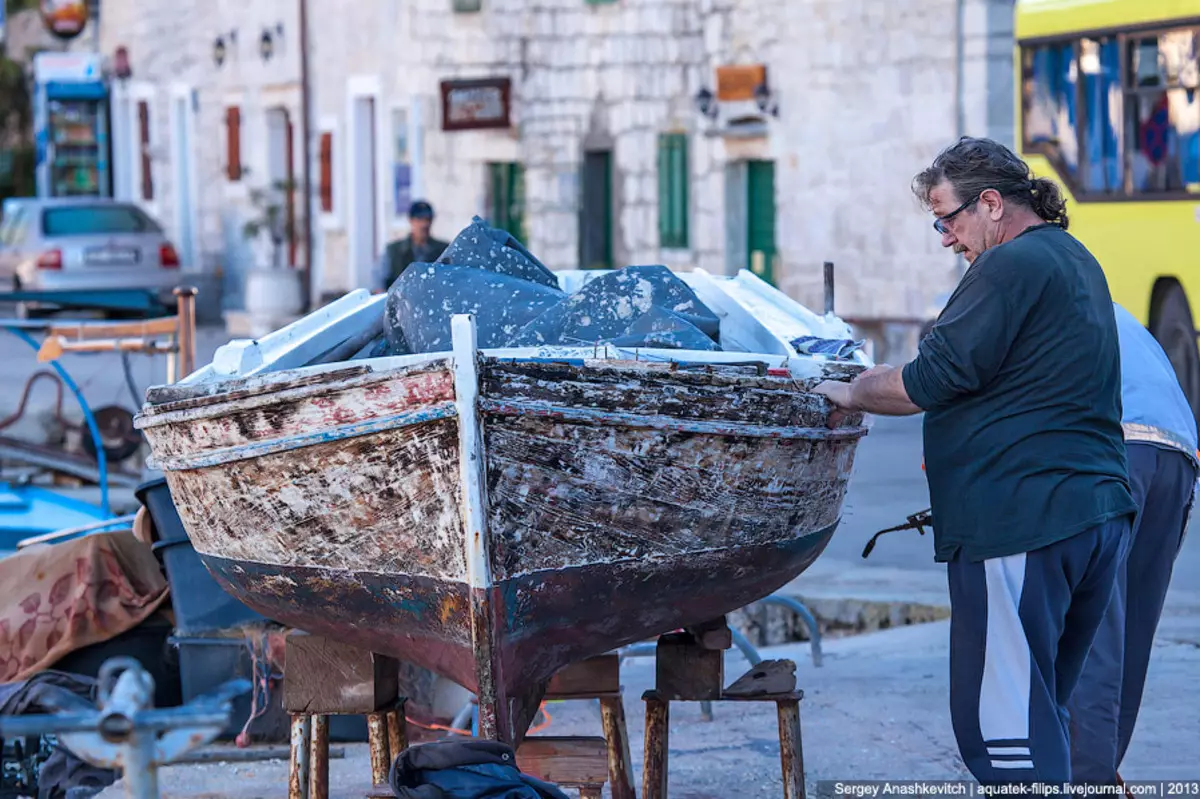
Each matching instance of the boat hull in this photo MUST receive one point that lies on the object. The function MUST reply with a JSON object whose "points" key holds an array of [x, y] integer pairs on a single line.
{"points": [[612, 504]]}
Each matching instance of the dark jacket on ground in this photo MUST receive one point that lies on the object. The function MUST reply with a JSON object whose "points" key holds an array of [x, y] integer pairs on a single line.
{"points": [[465, 769], [1020, 379]]}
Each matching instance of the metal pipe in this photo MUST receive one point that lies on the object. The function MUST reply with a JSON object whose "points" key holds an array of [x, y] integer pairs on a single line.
{"points": [[814, 630], [747, 648], [101, 459], [306, 172], [828, 288]]}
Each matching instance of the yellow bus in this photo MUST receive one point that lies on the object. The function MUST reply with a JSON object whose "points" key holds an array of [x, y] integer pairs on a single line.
{"points": [[1108, 104]]}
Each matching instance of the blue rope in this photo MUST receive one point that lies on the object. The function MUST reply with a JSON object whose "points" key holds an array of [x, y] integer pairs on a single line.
{"points": [[101, 460]]}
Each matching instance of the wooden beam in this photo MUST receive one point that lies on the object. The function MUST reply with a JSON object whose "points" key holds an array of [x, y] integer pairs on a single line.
{"points": [[687, 671], [591, 678], [565, 761], [327, 677]]}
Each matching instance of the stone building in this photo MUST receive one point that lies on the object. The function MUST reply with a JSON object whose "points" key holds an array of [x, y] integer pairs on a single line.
{"points": [[719, 134]]}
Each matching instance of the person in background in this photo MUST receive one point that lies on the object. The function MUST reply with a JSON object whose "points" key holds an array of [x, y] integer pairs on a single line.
{"points": [[1160, 444], [1020, 382], [417, 247]]}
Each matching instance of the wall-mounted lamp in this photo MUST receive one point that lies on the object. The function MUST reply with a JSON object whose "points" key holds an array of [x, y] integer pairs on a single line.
{"points": [[219, 51], [266, 44], [706, 103], [766, 100], [121, 68]]}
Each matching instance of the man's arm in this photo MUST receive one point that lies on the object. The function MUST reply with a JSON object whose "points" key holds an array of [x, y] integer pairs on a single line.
{"points": [[878, 390]]}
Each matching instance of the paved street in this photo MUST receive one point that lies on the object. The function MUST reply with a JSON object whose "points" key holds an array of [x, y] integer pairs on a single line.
{"points": [[878, 708]]}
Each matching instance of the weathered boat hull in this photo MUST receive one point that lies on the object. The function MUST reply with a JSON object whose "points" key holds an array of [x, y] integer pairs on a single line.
{"points": [[495, 521]]}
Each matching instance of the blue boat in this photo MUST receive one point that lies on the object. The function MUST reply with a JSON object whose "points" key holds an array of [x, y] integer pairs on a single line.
{"points": [[28, 511]]}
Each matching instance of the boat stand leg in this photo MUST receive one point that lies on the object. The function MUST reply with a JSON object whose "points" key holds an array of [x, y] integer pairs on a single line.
{"points": [[319, 758], [791, 751], [654, 771], [377, 738], [298, 772], [616, 738], [397, 724]]}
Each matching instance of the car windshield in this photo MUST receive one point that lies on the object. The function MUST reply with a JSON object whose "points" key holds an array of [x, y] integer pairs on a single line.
{"points": [[90, 220]]}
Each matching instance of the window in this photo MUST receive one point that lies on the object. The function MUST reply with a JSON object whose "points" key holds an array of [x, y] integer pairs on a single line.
{"points": [[233, 143], [326, 181], [466, 5], [1163, 116], [90, 220], [506, 198], [1118, 115], [147, 187], [673, 190]]}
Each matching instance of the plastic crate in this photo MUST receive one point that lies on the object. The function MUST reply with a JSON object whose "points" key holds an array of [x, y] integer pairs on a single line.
{"points": [[199, 602]]}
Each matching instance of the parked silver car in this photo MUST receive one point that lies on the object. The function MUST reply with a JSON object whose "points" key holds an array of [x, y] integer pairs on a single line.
{"points": [[84, 243]]}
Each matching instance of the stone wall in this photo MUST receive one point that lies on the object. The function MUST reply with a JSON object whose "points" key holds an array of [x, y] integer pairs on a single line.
{"points": [[866, 91]]}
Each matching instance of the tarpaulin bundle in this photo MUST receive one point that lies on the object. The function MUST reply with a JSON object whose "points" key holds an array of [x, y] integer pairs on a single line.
{"points": [[517, 302]]}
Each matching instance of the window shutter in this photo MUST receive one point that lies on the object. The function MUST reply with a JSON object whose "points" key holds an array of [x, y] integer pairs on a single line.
{"points": [[233, 143], [143, 110], [327, 172], [672, 190]]}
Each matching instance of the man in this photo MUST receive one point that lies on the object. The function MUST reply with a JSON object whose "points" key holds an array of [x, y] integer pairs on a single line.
{"points": [[1160, 442], [417, 247], [1019, 380]]}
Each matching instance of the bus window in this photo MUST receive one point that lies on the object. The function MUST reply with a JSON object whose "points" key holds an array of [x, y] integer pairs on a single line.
{"points": [[1050, 103], [1100, 65], [1163, 112]]}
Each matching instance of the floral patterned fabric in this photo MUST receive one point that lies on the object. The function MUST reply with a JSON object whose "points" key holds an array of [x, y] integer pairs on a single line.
{"points": [[56, 598]]}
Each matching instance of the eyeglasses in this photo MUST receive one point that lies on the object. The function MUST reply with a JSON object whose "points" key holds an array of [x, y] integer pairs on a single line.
{"points": [[939, 224]]}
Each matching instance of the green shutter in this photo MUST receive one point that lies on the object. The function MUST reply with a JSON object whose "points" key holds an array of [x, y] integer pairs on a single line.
{"points": [[673, 190], [466, 5], [506, 189]]}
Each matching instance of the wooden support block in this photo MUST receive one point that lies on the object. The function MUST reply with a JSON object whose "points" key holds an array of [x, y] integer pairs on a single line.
{"points": [[687, 671], [769, 678], [571, 761], [327, 677], [654, 766], [616, 737], [713, 634], [589, 678]]}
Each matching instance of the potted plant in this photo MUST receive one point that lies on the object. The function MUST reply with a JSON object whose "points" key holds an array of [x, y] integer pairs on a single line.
{"points": [[273, 288]]}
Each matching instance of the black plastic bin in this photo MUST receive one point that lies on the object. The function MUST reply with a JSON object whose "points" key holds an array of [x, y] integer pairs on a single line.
{"points": [[200, 604]]}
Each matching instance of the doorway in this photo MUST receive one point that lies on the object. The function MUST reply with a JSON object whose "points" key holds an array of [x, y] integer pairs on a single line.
{"points": [[364, 225], [596, 211], [506, 198], [183, 172], [281, 174], [760, 219]]}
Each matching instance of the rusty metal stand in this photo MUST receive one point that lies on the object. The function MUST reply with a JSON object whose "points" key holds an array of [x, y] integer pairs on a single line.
{"points": [[690, 668]]}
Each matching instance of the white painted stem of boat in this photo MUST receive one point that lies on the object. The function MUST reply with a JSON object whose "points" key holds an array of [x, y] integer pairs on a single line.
{"points": [[470, 449]]}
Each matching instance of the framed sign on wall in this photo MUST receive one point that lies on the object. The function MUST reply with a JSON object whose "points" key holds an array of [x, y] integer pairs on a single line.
{"points": [[476, 104]]}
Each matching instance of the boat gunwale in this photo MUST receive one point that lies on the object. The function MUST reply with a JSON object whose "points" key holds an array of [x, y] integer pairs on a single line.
{"points": [[266, 393]]}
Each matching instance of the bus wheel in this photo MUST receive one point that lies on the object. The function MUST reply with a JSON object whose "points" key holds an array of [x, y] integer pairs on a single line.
{"points": [[1176, 333]]}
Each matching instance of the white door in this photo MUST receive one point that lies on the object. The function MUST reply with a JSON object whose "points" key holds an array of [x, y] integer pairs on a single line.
{"points": [[185, 206], [364, 235]]}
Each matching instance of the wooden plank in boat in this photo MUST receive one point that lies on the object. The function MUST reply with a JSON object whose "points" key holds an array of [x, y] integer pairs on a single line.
{"points": [[166, 399]]}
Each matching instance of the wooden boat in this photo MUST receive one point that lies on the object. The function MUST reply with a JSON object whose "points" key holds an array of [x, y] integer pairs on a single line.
{"points": [[497, 515]]}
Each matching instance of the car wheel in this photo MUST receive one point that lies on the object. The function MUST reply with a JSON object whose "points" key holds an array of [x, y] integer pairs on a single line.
{"points": [[1176, 332]]}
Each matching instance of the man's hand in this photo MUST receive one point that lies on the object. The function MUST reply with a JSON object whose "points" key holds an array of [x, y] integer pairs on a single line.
{"points": [[879, 389], [837, 393]]}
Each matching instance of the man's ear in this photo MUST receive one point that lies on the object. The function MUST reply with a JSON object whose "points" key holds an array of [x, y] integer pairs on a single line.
{"points": [[993, 201]]}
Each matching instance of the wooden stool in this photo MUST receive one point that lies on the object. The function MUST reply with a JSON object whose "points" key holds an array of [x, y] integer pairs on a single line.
{"points": [[323, 678], [690, 668]]}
